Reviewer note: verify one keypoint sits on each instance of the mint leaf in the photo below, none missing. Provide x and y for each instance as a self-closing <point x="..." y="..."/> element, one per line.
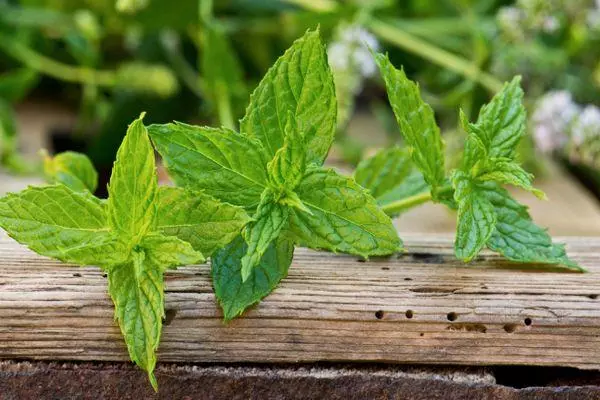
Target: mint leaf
<point x="137" y="291"/>
<point x="300" y="82"/>
<point x="385" y="171"/>
<point x="416" y="121"/>
<point x="121" y="235"/>
<point x="168" y="252"/>
<point x="500" y="124"/>
<point x="476" y="217"/>
<point x="56" y="222"/>
<point x="289" y="163"/>
<point x="270" y="219"/>
<point x="71" y="169"/>
<point x="133" y="186"/>
<point x="517" y="237"/>
<point x="198" y="218"/>
<point x="510" y="173"/>
<point x="221" y="162"/>
<point x="235" y="295"/>
<point x="344" y="217"/>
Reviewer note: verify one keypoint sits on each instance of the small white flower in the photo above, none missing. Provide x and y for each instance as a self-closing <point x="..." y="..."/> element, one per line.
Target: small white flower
<point x="351" y="50"/>
<point x="552" y="119"/>
<point x="587" y="125"/>
<point x="550" y="24"/>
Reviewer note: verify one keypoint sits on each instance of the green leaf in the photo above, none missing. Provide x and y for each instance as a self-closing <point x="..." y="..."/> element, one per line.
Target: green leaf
<point x="221" y="162"/>
<point x="57" y="222"/>
<point x="385" y="171"/>
<point x="198" y="218"/>
<point x="169" y="252"/>
<point x="235" y="295"/>
<point x="500" y="124"/>
<point x="517" y="237"/>
<point x="509" y="172"/>
<point x="416" y="121"/>
<point x="343" y="217"/>
<point x="137" y="290"/>
<point x="133" y="186"/>
<point x="476" y="217"/>
<point x="289" y="164"/>
<point x="15" y="85"/>
<point x="71" y="169"/>
<point x="271" y="218"/>
<point x="300" y="82"/>
<point x="413" y="185"/>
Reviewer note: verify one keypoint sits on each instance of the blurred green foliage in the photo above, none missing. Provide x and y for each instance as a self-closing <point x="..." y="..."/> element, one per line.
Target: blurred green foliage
<point x="198" y="60"/>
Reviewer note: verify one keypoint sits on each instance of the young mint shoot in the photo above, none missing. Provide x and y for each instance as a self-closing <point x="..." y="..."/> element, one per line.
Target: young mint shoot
<point x="135" y="236"/>
<point x="273" y="168"/>
<point x="71" y="169"/>
<point x="488" y="216"/>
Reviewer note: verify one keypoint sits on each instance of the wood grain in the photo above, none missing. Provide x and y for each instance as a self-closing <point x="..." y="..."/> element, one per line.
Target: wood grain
<point x="330" y="308"/>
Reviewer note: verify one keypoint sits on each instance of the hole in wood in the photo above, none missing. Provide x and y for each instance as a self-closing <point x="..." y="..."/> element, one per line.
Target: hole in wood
<point x="593" y="296"/>
<point x="385" y="268"/>
<point x="77" y="275"/>
<point x="510" y="328"/>
<point x="408" y="279"/>
<point x="467" y="327"/>
<point x="452" y="316"/>
<point x="428" y="258"/>
<point x="409" y="314"/>
<point x="379" y="314"/>
<point x="104" y="275"/>
<point x="169" y="315"/>
<point x="527" y="321"/>
<point x="361" y="260"/>
<point x="421" y="334"/>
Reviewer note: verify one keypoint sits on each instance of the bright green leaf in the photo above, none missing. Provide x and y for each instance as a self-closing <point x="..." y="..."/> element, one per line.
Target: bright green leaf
<point x="476" y="217"/>
<point x="168" y="251"/>
<point x="198" y="218"/>
<point x="517" y="237"/>
<point x="500" y="124"/>
<point x="385" y="171"/>
<point x="344" y="217"/>
<point x="136" y="288"/>
<point x="71" y="169"/>
<point x="235" y="295"/>
<point x="57" y="222"/>
<point x="289" y="164"/>
<point x="510" y="173"/>
<point x="133" y="185"/>
<point x="221" y="162"/>
<point x="416" y="121"/>
<point x="270" y="219"/>
<point x="300" y="82"/>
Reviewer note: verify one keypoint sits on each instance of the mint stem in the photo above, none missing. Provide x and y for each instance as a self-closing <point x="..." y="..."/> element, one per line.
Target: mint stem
<point x="433" y="53"/>
<point x="412" y="201"/>
<point x="53" y="68"/>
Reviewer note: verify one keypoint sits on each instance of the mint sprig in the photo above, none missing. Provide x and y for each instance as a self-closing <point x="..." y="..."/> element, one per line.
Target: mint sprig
<point x="135" y="236"/>
<point x="487" y="215"/>
<point x="273" y="168"/>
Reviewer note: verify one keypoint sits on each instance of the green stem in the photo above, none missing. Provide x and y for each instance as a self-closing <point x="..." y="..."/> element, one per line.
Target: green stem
<point x="433" y="53"/>
<point x="412" y="201"/>
<point x="224" y="108"/>
<point x="53" y="68"/>
<point x="315" y="5"/>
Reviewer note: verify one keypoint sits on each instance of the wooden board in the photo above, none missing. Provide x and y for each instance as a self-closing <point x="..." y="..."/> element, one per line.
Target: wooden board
<point x="423" y="307"/>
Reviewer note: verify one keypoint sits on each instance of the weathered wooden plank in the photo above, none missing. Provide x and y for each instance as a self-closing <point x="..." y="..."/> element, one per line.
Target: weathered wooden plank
<point x="423" y="307"/>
